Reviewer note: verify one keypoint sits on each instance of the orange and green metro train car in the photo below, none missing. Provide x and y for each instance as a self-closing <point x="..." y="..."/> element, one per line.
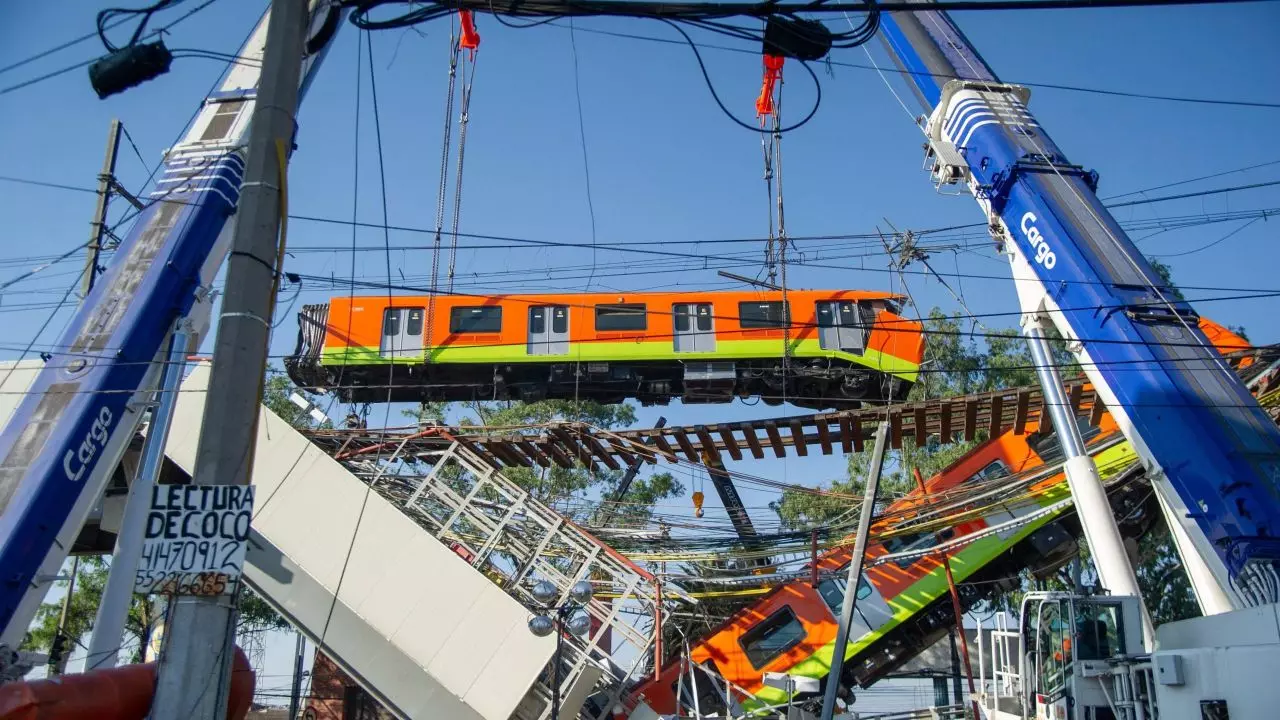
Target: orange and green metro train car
<point x="815" y="348"/>
<point x="902" y="605"/>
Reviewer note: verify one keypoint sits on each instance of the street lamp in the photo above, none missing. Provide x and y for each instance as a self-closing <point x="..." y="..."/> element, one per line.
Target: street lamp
<point x="565" y="617"/>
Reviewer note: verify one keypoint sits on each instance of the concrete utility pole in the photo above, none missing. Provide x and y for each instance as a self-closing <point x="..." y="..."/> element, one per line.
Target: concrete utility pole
<point x="869" y="493"/>
<point x="195" y="663"/>
<point x="98" y="229"/>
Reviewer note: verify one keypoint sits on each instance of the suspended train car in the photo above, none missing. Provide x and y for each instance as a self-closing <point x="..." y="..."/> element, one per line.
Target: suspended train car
<point x="902" y="605"/>
<point x="815" y="348"/>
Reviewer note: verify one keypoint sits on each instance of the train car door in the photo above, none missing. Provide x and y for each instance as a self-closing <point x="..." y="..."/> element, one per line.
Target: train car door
<point x="840" y="326"/>
<point x="549" y="330"/>
<point x="402" y="332"/>
<point x="694" y="329"/>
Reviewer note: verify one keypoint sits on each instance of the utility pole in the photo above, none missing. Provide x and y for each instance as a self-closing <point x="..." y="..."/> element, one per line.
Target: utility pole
<point x="869" y="493"/>
<point x="98" y="229"/>
<point x="195" y="664"/>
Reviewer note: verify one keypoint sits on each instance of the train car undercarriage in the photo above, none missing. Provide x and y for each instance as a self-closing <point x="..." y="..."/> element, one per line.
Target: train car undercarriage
<point x="816" y="383"/>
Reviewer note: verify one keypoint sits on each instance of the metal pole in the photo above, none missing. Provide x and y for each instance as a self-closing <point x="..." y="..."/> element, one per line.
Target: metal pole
<point x="194" y="672"/>
<point x="958" y="611"/>
<point x="555" y="669"/>
<point x="60" y="666"/>
<point x="1115" y="573"/>
<point x="657" y="628"/>
<point x="98" y="229"/>
<point x="855" y="571"/>
<point x="295" y="696"/>
<point x="117" y="595"/>
<point x="956" y="691"/>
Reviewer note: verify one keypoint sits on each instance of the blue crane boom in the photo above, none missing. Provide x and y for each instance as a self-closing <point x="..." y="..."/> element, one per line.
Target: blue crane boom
<point x="1212" y="453"/>
<point x="70" y="431"/>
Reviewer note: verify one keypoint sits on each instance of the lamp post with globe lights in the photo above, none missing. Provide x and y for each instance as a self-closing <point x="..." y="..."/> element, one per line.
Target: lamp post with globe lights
<point x="565" y="617"/>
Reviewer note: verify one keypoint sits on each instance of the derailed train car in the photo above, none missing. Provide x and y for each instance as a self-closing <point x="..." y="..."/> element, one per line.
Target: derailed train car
<point x="903" y="606"/>
<point x="903" y="602"/>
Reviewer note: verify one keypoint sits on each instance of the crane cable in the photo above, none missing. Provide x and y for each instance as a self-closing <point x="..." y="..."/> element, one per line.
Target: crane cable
<point x="769" y="106"/>
<point x="468" y="40"/>
<point x="445" y="146"/>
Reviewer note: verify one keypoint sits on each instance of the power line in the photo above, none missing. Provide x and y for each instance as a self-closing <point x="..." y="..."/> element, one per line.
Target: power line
<point x="77" y="66"/>
<point x="943" y="76"/>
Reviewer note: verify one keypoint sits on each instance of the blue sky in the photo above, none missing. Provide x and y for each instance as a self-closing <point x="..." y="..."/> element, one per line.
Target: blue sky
<point x="666" y="166"/>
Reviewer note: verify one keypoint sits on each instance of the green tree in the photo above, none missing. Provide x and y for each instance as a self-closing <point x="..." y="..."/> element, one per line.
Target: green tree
<point x="573" y="491"/>
<point x="145" y="614"/>
<point x="277" y="389"/>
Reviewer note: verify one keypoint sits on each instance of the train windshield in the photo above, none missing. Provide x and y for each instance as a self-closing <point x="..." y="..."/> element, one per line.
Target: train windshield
<point x="832" y="590"/>
<point x="779" y="633"/>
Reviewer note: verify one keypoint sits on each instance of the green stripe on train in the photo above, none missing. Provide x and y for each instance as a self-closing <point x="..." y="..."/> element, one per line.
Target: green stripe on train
<point x="618" y="351"/>
<point x="929" y="588"/>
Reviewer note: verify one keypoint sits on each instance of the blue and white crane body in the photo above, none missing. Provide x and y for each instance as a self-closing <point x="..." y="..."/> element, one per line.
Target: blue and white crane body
<point x="1212" y="453"/>
<point x="68" y="435"/>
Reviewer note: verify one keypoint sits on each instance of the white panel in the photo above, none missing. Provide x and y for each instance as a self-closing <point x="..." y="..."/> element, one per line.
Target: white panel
<point x="15" y="379"/>
<point x="463" y="655"/>
<point x="435" y="637"/>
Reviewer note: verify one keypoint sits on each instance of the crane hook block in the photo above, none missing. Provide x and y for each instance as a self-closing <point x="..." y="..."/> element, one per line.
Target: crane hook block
<point x="697" y="504"/>
<point x="796" y="38"/>
<point x="470" y="38"/>
<point x="772" y="71"/>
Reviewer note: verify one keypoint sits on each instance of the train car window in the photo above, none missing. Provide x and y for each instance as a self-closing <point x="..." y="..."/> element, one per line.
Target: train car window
<point x="414" y="325"/>
<point x="763" y="315"/>
<point x="916" y="541"/>
<point x="682" y="322"/>
<point x="391" y="322"/>
<point x="538" y="320"/>
<point x="631" y="316"/>
<point x="480" y="319"/>
<point x="778" y="633"/>
<point x="994" y="469"/>
<point x="1045" y="444"/>
<point x="832" y="590"/>
<point x="704" y="318"/>
<point x="560" y="320"/>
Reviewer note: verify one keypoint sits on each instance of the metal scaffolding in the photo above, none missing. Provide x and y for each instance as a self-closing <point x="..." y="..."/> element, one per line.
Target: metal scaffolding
<point x="516" y="540"/>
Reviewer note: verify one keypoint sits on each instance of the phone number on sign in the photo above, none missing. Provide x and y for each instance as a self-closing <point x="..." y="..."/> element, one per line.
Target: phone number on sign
<point x="164" y="583"/>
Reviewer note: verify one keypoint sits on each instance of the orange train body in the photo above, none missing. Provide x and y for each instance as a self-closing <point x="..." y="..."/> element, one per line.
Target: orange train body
<point x="839" y="348"/>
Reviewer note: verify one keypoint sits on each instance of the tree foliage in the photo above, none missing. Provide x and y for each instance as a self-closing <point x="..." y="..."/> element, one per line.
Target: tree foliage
<point x="276" y="392"/>
<point x="145" y="614"/>
<point x="557" y="486"/>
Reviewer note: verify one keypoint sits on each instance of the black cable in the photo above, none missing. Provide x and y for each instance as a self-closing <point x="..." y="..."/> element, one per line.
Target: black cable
<point x="65" y="70"/>
<point x="944" y="76"/>
<point x="57" y="48"/>
<point x="46" y="76"/>
<point x="817" y="85"/>
<point x="105" y="17"/>
<point x="1201" y="193"/>
<point x="1191" y="180"/>
<point x="586" y="165"/>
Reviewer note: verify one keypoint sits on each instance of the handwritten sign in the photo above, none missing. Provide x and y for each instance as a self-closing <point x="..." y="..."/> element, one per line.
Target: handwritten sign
<point x="195" y="539"/>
